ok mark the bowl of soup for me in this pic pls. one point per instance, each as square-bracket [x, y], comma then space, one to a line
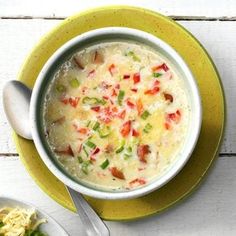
[115, 113]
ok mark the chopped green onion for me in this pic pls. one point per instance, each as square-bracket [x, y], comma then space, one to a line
[74, 83]
[156, 75]
[134, 56]
[129, 149]
[96, 125]
[80, 160]
[145, 115]
[120, 149]
[90, 144]
[84, 166]
[90, 101]
[85, 151]
[105, 164]
[60, 88]
[127, 156]
[121, 97]
[104, 131]
[102, 101]
[147, 128]
[93, 101]
[88, 123]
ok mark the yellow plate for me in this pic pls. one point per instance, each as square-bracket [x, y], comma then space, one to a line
[212, 100]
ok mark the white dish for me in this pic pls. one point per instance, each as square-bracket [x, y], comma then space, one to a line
[52, 228]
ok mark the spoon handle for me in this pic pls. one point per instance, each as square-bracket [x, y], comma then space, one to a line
[92, 223]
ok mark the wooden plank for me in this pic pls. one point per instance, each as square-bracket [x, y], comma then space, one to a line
[61, 8]
[209, 211]
[217, 37]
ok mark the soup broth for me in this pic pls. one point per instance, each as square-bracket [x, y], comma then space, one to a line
[116, 115]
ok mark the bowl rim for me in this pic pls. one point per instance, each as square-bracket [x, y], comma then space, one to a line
[179, 164]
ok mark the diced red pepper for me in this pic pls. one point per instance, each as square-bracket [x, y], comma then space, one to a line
[168, 97]
[160, 67]
[91, 73]
[122, 114]
[134, 90]
[167, 126]
[130, 104]
[74, 101]
[113, 93]
[139, 181]
[142, 152]
[156, 83]
[105, 97]
[126, 76]
[117, 173]
[114, 109]
[112, 69]
[96, 109]
[64, 100]
[136, 78]
[96, 150]
[125, 129]
[152, 91]
[68, 151]
[174, 116]
[139, 105]
[135, 133]
[82, 130]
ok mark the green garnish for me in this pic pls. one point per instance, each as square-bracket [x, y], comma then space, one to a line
[147, 128]
[121, 97]
[102, 101]
[60, 88]
[129, 149]
[93, 101]
[74, 83]
[85, 166]
[104, 131]
[105, 164]
[90, 144]
[96, 126]
[90, 101]
[35, 232]
[134, 56]
[145, 115]
[80, 160]
[88, 123]
[127, 156]
[121, 147]
[156, 75]
[1, 224]
[85, 151]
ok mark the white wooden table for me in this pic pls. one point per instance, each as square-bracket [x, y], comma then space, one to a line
[211, 210]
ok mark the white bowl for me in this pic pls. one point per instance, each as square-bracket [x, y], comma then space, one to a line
[114, 33]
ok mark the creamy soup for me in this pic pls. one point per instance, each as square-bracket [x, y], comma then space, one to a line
[116, 115]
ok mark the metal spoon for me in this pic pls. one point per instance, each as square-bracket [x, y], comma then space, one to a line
[16, 102]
